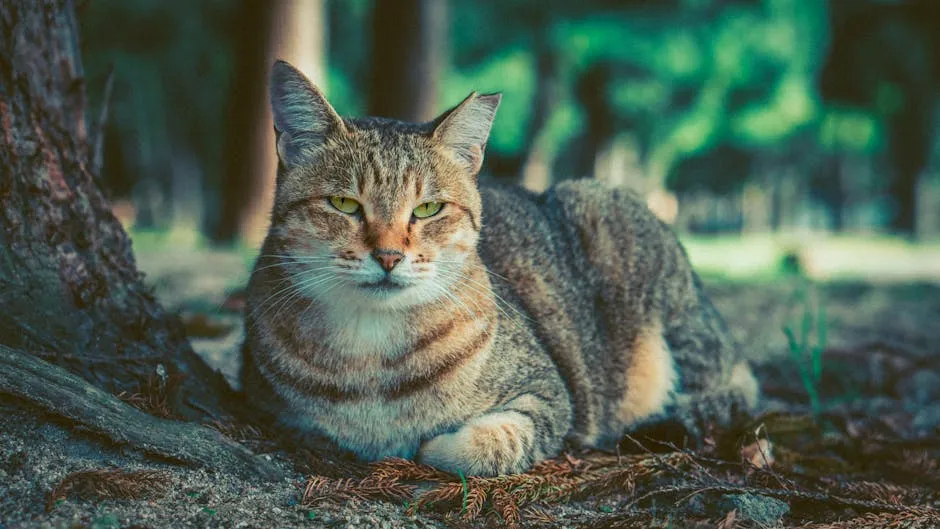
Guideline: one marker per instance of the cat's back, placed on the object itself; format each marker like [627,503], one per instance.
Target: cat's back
[579,231]
[578,251]
[603,280]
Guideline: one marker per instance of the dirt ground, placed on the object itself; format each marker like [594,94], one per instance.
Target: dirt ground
[864,453]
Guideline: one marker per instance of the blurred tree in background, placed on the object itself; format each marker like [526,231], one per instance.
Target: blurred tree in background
[293,30]
[885,57]
[734,115]
[409,50]
[173,64]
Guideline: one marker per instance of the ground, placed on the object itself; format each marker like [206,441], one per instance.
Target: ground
[851,406]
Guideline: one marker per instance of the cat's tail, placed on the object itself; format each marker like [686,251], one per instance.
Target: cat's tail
[692,417]
[727,406]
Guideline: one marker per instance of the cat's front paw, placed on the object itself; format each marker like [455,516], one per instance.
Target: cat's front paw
[494,444]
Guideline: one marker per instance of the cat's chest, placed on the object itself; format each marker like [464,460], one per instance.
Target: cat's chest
[366,333]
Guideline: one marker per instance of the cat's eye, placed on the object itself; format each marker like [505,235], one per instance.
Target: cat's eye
[428,209]
[344,204]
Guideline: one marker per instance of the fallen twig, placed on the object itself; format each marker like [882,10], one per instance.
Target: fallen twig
[110,483]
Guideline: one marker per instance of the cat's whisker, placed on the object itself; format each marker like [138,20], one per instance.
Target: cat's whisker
[296,284]
[479,303]
[278,305]
[273,300]
[298,292]
[490,322]
[507,315]
[471,315]
[489,272]
[289,292]
[452,297]
[285,264]
[499,298]
[269,298]
[486,289]
[276,256]
[495,303]
[291,278]
[303,286]
[338,282]
[476,266]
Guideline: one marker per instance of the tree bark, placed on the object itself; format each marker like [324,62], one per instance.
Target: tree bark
[69,285]
[408,53]
[58,392]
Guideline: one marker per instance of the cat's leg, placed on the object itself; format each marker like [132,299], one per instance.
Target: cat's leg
[505,441]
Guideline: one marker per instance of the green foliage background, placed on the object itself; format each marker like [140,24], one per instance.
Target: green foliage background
[686,78]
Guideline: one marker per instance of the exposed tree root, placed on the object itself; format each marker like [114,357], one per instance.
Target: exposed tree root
[60,393]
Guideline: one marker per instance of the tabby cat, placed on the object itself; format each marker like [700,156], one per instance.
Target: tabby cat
[400,309]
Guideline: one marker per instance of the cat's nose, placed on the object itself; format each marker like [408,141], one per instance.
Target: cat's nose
[387,258]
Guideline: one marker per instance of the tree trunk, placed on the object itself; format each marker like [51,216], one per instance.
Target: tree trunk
[408,53]
[909,143]
[293,30]
[245,127]
[536,166]
[69,286]
[903,192]
[829,189]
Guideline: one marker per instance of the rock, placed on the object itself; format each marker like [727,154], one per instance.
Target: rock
[761,509]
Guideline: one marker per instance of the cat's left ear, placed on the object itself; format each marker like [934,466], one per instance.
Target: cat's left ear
[303,118]
[465,128]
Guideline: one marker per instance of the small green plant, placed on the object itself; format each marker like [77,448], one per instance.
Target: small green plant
[807,349]
[466,492]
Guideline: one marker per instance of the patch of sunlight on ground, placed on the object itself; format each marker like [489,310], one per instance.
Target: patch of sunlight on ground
[819,256]
[181,262]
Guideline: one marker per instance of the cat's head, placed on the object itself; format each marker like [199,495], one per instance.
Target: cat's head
[371,210]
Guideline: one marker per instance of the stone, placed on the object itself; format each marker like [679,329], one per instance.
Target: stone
[761,509]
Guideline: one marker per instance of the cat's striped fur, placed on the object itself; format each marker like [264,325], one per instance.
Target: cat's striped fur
[509,323]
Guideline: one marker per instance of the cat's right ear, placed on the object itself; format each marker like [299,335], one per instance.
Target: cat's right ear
[303,118]
[465,129]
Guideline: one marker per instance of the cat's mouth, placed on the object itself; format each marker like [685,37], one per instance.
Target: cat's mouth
[386,285]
